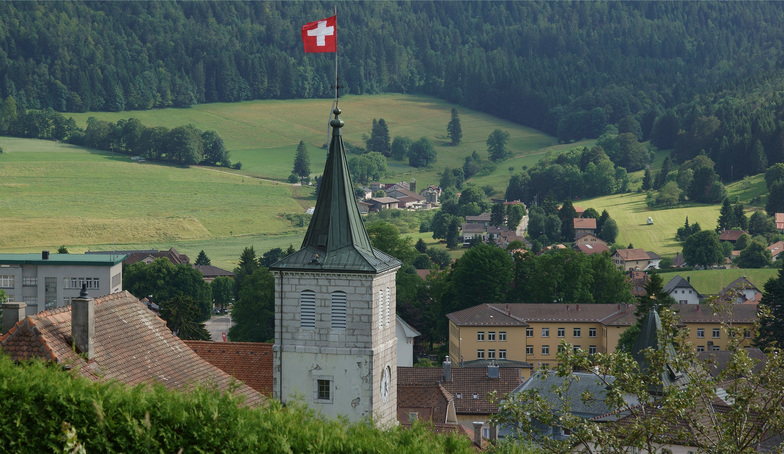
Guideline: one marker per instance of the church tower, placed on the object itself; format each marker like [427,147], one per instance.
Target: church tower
[335,345]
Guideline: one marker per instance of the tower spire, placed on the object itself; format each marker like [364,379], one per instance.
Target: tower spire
[336,237]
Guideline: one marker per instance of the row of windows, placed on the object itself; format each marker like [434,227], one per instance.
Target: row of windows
[701,348]
[307,309]
[576,332]
[480,354]
[381,308]
[76,282]
[338,308]
[717,333]
[480,336]
[529,349]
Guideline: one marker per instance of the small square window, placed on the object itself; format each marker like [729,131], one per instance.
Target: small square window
[716,333]
[502,336]
[529,349]
[491,336]
[592,349]
[491,354]
[501,354]
[480,336]
[577,348]
[561,332]
[591,332]
[529,332]
[577,332]
[545,349]
[700,333]
[480,354]
[322,389]
[700,348]
[746,333]
[715,348]
[545,332]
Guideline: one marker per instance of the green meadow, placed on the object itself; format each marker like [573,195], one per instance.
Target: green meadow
[54,194]
[710,282]
[263,135]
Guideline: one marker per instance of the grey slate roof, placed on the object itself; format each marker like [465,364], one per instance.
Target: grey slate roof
[336,239]
[677,282]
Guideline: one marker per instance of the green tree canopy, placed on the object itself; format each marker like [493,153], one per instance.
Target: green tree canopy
[496,145]
[254,312]
[755,255]
[482,275]
[202,259]
[222,291]
[302,161]
[182,315]
[703,249]
[421,153]
[453,129]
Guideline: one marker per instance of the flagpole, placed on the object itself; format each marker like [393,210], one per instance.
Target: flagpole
[335,102]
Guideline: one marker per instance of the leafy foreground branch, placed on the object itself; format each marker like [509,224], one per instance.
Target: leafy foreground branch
[660,398]
[46,409]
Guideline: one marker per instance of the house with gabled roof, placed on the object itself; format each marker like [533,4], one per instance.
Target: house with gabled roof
[682,290]
[211,272]
[471,388]
[739,290]
[470,230]
[425,402]
[635,259]
[584,226]
[731,235]
[776,249]
[113,337]
[780,222]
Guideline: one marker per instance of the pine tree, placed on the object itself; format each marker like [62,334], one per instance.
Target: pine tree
[453,129]
[646,180]
[726,216]
[771,310]
[202,259]
[302,161]
[567,215]
[497,215]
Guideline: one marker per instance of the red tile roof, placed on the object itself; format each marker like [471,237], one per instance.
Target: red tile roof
[430,401]
[632,255]
[248,362]
[731,235]
[470,386]
[702,313]
[131,345]
[585,223]
[592,248]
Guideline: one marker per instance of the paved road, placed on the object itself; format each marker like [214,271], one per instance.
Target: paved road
[218,325]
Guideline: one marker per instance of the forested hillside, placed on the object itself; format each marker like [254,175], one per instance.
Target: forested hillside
[710,69]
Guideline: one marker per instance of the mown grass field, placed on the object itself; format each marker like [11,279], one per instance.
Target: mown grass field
[54,194]
[263,135]
[710,282]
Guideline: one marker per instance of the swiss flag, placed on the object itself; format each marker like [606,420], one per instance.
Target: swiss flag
[321,36]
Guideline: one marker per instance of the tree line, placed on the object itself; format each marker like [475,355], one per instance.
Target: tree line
[569,69]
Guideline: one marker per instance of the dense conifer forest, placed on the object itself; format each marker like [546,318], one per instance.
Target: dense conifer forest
[693,76]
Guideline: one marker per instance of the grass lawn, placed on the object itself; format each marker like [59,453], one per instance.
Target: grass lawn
[263,135]
[711,281]
[55,194]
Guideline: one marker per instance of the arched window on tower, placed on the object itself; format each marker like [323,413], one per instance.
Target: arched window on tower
[307,309]
[338,310]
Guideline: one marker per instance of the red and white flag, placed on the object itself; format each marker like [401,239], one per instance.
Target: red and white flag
[321,36]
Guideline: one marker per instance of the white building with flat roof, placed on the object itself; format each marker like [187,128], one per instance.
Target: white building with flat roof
[47,281]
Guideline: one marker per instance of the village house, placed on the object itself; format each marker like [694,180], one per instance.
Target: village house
[635,259]
[48,281]
[471,388]
[682,290]
[584,226]
[731,235]
[113,337]
[531,333]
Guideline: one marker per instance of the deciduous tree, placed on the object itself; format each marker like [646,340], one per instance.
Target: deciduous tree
[496,145]
[454,130]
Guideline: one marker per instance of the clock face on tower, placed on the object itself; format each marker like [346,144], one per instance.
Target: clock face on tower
[385,385]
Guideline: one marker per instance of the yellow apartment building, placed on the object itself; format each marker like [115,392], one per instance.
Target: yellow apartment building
[531,333]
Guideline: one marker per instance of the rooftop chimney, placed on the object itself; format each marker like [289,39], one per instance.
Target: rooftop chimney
[12,313]
[44,255]
[83,323]
[447,369]
[478,432]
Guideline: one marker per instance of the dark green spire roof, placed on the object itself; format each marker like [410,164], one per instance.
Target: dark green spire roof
[336,239]
[649,338]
